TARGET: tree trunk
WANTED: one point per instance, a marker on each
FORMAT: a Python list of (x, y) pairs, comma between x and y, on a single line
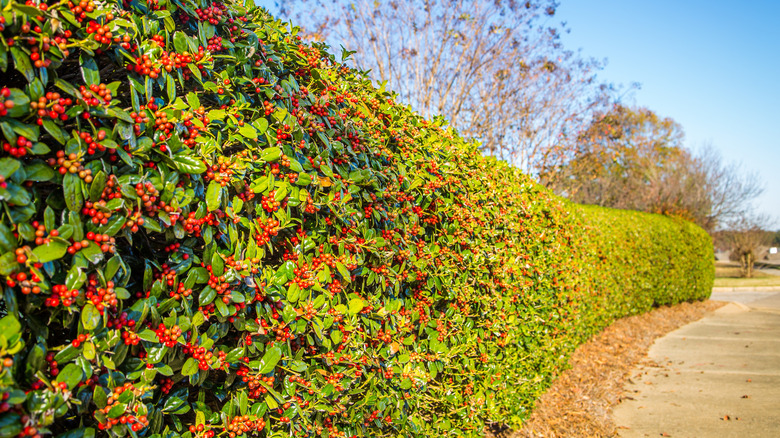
[(746, 261)]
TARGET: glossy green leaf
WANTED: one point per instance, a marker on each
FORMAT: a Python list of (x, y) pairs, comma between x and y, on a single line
[(269, 360)]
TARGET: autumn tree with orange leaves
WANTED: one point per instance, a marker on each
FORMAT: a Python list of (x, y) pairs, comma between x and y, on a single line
[(632, 158)]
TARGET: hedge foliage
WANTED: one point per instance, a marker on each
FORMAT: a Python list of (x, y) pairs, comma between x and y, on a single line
[(210, 228)]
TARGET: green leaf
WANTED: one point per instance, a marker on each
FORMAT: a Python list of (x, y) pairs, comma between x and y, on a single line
[(89, 350), (72, 374), (248, 131), (170, 87), (217, 264), (89, 69), (22, 63), (148, 335), (356, 305), (8, 166), (190, 367), (117, 410), (67, 353), (213, 195), (92, 253), (261, 125), (10, 424), (71, 187), (269, 360), (189, 164), (39, 172), (53, 250), (206, 296), (271, 154), (21, 103), (180, 43), (9, 327), (281, 192), (192, 99), (343, 271), (97, 186), (271, 402), (99, 397), (304, 179), (90, 317), (27, 10), (55, 131), (222, 308), (30, 132), (293, 293), (235, 355)]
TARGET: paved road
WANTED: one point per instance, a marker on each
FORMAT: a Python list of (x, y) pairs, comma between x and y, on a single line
[(717, 377)]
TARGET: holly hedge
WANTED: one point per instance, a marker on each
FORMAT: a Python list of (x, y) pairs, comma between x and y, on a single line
[(212, 228)]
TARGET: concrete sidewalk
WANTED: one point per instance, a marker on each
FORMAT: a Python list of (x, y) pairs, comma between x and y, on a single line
[(717, 377)]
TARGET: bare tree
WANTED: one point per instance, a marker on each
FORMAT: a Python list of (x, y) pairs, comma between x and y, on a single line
[(730, 189), (747, 239), (495, 69)]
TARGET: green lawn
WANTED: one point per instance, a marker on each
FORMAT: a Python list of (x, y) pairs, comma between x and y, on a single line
[(727, 275)]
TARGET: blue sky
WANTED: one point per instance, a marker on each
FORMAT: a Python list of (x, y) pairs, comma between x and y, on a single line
[(713, 66)]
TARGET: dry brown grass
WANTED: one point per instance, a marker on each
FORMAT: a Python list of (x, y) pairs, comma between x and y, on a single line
[(579, 403)]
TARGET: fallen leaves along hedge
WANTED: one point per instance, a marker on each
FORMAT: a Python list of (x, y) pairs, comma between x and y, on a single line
[(211, 228)]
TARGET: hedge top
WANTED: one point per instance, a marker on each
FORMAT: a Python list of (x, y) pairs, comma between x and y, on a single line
[(210, 228)]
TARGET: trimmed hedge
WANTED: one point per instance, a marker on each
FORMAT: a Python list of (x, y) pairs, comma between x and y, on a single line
[(639, 261), (210, 228)]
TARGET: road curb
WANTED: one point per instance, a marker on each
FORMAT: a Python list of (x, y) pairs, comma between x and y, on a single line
[(747, 289)]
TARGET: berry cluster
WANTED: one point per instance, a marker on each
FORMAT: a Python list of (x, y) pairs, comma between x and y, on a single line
[(166, 384), (269, 229), (20, 149), (131, 419), (215, 44), (180, 292), (134, 221), (101, 297), (244, 424), (52, 364), (193, 225), (144, 65), (61, 294), (269, 203), (101, 32), (283, 133), (130, 338), (81, 9), (118, 322), (268, 107), (51, 105), (203, 356), (95, 95), (6, 103), (212, 14), (70, 164), (221, 172), (168, 336), (80, 339)]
